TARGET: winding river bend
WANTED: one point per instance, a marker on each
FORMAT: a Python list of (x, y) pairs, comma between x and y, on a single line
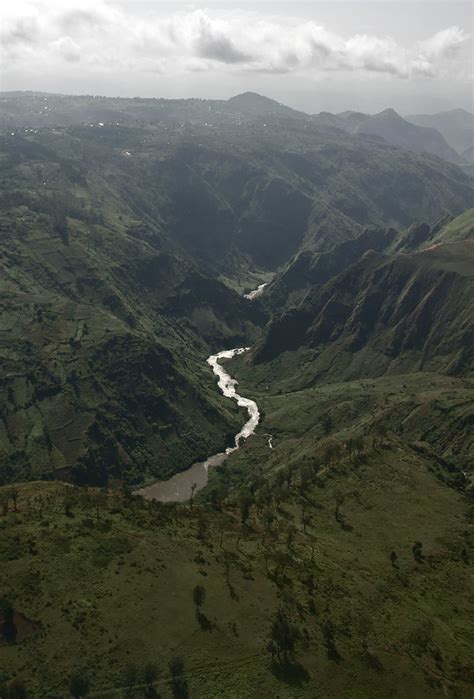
[(180, 487)]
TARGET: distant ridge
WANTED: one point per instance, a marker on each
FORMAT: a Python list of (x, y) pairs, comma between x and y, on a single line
[(39, 109), (399, 132), (394, 129), (456, 125)]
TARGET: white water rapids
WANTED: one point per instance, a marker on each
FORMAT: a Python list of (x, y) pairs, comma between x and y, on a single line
[(227, 385), (180, 487), (256, 292)]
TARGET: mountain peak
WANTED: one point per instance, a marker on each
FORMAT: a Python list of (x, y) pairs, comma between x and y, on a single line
[(389, 113), (252, 99), (252, 102)]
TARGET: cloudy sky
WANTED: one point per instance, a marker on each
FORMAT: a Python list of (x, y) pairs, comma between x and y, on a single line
[(344, 54)]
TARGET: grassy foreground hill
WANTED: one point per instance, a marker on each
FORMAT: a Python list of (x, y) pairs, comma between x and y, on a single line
[(347, 579)]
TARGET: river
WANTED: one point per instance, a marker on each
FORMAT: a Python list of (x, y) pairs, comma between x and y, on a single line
[(180, 487), (256, 292)]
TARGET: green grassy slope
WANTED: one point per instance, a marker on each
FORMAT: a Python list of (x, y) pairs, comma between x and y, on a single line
[(460, 228), (319, 549)]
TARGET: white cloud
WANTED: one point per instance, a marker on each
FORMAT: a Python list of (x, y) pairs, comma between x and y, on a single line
[(102, 37), (67, 49), (443, 44)]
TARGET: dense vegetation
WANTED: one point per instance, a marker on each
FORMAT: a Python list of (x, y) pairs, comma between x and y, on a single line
[(330, 556)]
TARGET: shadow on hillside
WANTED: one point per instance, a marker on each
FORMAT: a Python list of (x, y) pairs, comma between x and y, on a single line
[(372, 662), (291, 672), (203, 621)]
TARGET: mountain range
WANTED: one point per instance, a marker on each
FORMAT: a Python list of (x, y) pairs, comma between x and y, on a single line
[(124, 247), (446, 134), (330, 554), (456, 126)]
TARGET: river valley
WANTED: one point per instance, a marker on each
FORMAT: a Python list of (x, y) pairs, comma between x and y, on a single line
[(183, 485)]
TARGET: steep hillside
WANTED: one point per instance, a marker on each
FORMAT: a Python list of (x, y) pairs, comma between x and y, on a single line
[(405, 312), (104, 333), (310, 268)]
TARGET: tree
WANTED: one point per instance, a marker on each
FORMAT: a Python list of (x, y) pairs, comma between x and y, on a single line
[(327, 423), (176, 666), (150, 673), (393, 559), (364, 628), (191, 497), (305, 518), (306, 477), (245, 503), (350, 448), (14, 497), (417, 551), (330, 640), (358, 444), (179, 686), (199, 596), (284, 636), (68, 504), (381, 432), (16, 690), (420, 638), (281, 559), (78, 684), (8, 627), (268, 518), (100, 499), (130, 676)]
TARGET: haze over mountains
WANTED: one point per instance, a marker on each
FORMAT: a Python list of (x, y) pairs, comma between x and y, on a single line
[(456, 126), (330, 554)]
